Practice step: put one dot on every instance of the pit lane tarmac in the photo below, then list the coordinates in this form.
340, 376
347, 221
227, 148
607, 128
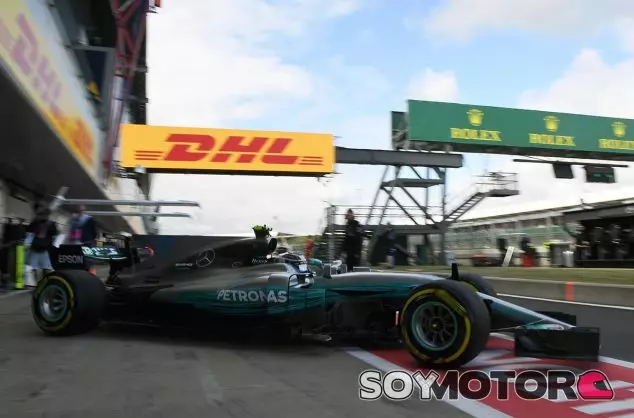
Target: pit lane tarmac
140, 371
617, 362
145, 372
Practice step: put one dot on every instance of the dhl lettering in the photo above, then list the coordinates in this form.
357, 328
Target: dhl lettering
197, 147
559, 140
25, 50
180, 151
619, 144
246, 152
476, 134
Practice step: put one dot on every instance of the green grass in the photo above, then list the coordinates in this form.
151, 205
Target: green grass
604, 276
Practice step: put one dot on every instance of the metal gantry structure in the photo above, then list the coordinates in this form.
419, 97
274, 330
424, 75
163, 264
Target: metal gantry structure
131, 19
409, 168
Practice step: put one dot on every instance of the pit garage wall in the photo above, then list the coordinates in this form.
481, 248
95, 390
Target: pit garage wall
76, 103
117, 188
18, 203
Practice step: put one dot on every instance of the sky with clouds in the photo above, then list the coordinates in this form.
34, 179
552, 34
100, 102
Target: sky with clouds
341, 66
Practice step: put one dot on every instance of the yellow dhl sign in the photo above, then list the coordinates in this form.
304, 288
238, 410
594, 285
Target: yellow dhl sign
25, 52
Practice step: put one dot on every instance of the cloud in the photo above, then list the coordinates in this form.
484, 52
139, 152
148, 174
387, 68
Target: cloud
625, 31
459, 20
588, 86
435, 86
223, 63
211, 64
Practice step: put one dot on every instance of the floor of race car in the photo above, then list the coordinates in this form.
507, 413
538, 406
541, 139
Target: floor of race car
141, 372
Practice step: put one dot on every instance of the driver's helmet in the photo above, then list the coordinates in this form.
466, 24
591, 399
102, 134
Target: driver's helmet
281, 250
293, 258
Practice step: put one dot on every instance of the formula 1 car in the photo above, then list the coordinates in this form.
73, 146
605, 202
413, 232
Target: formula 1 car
216, 281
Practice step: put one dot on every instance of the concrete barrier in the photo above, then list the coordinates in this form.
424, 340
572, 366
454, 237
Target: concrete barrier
618, 295
601, 294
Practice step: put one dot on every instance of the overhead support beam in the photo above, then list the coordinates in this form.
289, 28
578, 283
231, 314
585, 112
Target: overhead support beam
399, 229
360, 156
411, 183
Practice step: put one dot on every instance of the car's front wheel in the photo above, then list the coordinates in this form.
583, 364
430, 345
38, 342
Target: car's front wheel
444, 324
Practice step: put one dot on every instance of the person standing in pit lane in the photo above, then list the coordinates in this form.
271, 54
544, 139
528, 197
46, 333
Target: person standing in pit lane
390, 244
353, 241
41, 234
83, 231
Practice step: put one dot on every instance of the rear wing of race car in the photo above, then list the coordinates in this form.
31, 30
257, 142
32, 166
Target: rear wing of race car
79, 257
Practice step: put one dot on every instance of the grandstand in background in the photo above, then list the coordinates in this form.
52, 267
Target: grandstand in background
478, 235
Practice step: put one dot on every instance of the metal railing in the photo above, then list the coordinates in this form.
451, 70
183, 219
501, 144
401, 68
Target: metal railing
484, 184
366, 215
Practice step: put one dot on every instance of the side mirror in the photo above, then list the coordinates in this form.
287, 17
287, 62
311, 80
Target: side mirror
303, 280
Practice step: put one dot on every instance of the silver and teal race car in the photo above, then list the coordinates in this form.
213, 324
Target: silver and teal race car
241, 283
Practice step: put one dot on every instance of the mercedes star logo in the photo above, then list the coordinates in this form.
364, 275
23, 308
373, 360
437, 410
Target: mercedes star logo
205, 259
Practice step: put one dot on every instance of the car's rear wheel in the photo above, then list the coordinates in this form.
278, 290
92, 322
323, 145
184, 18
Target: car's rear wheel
444, 324
68, 302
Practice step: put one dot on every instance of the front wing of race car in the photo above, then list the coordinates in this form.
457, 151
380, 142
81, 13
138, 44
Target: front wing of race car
545, 334
575, 343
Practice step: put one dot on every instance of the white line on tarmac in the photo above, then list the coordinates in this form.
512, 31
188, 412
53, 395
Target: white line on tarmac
594, 305
15, 293
609, 360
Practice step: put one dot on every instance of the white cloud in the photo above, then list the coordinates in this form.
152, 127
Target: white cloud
209, 62
625, 31
435, 86
462, 19
588, 86
217, 63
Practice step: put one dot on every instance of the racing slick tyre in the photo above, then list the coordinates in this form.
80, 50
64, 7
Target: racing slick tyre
68, 302
477, 282
444, 324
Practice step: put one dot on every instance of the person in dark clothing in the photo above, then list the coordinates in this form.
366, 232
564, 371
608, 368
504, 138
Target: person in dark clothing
41, 234
390, 244
353, 241
83, 229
